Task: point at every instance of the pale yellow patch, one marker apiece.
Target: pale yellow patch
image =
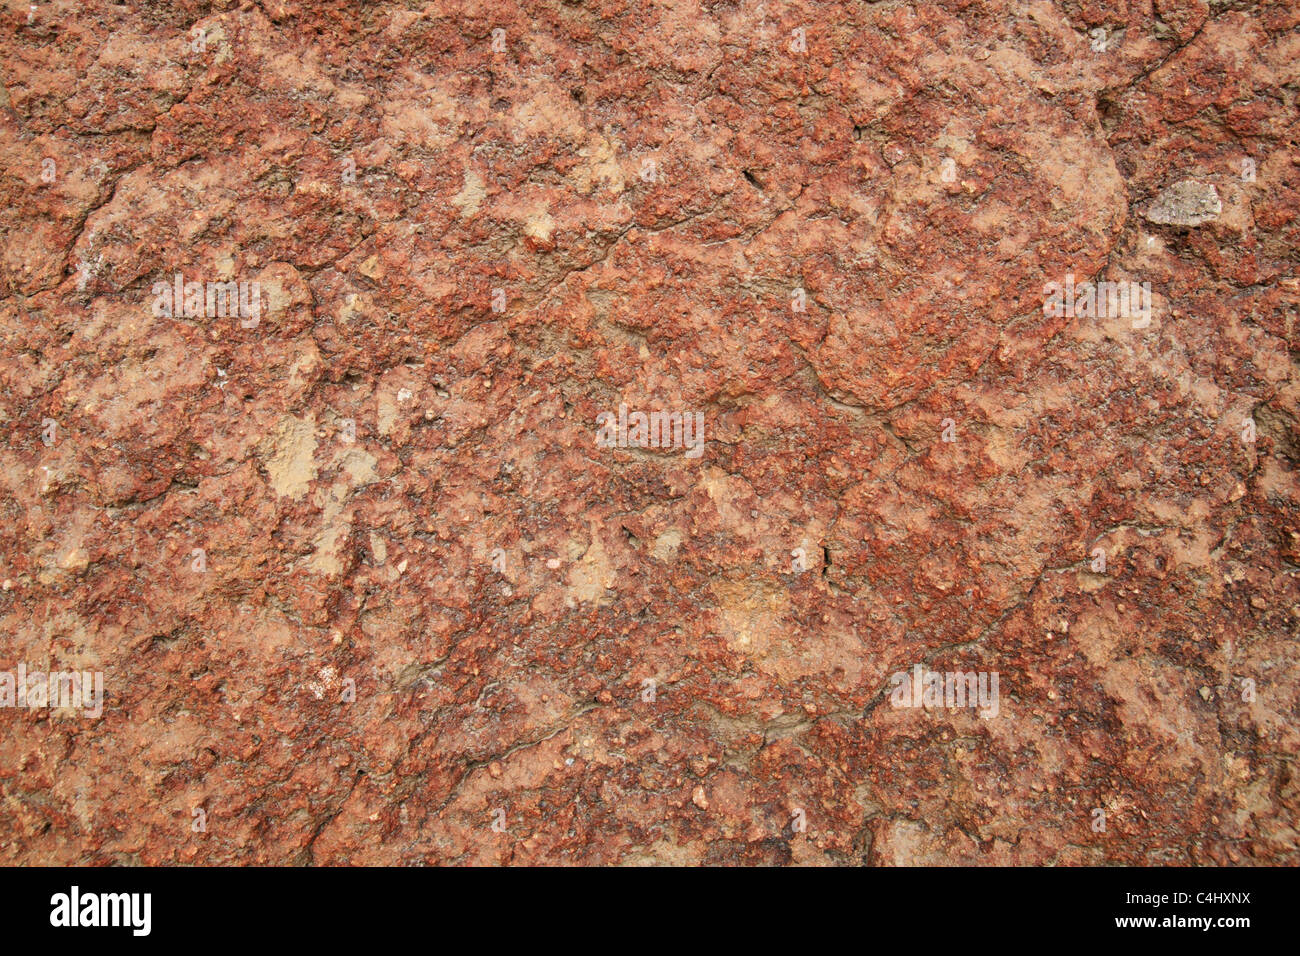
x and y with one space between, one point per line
539 225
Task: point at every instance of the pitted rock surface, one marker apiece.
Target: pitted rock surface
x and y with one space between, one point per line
363 586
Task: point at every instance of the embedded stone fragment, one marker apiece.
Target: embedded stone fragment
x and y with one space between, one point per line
1187 203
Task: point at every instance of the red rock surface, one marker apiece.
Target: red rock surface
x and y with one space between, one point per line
649 185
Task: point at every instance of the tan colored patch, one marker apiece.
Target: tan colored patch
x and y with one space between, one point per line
599 167
386 416
289 456
754 620
357 469
335 528
725 491
378 548
666 545
539 226
752 615
471 194
591 576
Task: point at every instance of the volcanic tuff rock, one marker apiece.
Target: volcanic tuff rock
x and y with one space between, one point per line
362 584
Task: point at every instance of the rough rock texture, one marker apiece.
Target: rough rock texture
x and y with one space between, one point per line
363 586
1188 203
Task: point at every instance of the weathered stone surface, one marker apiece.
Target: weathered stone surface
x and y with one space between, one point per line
363 586
1188 203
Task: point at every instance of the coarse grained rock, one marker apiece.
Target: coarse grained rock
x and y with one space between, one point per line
365 589
1187 203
